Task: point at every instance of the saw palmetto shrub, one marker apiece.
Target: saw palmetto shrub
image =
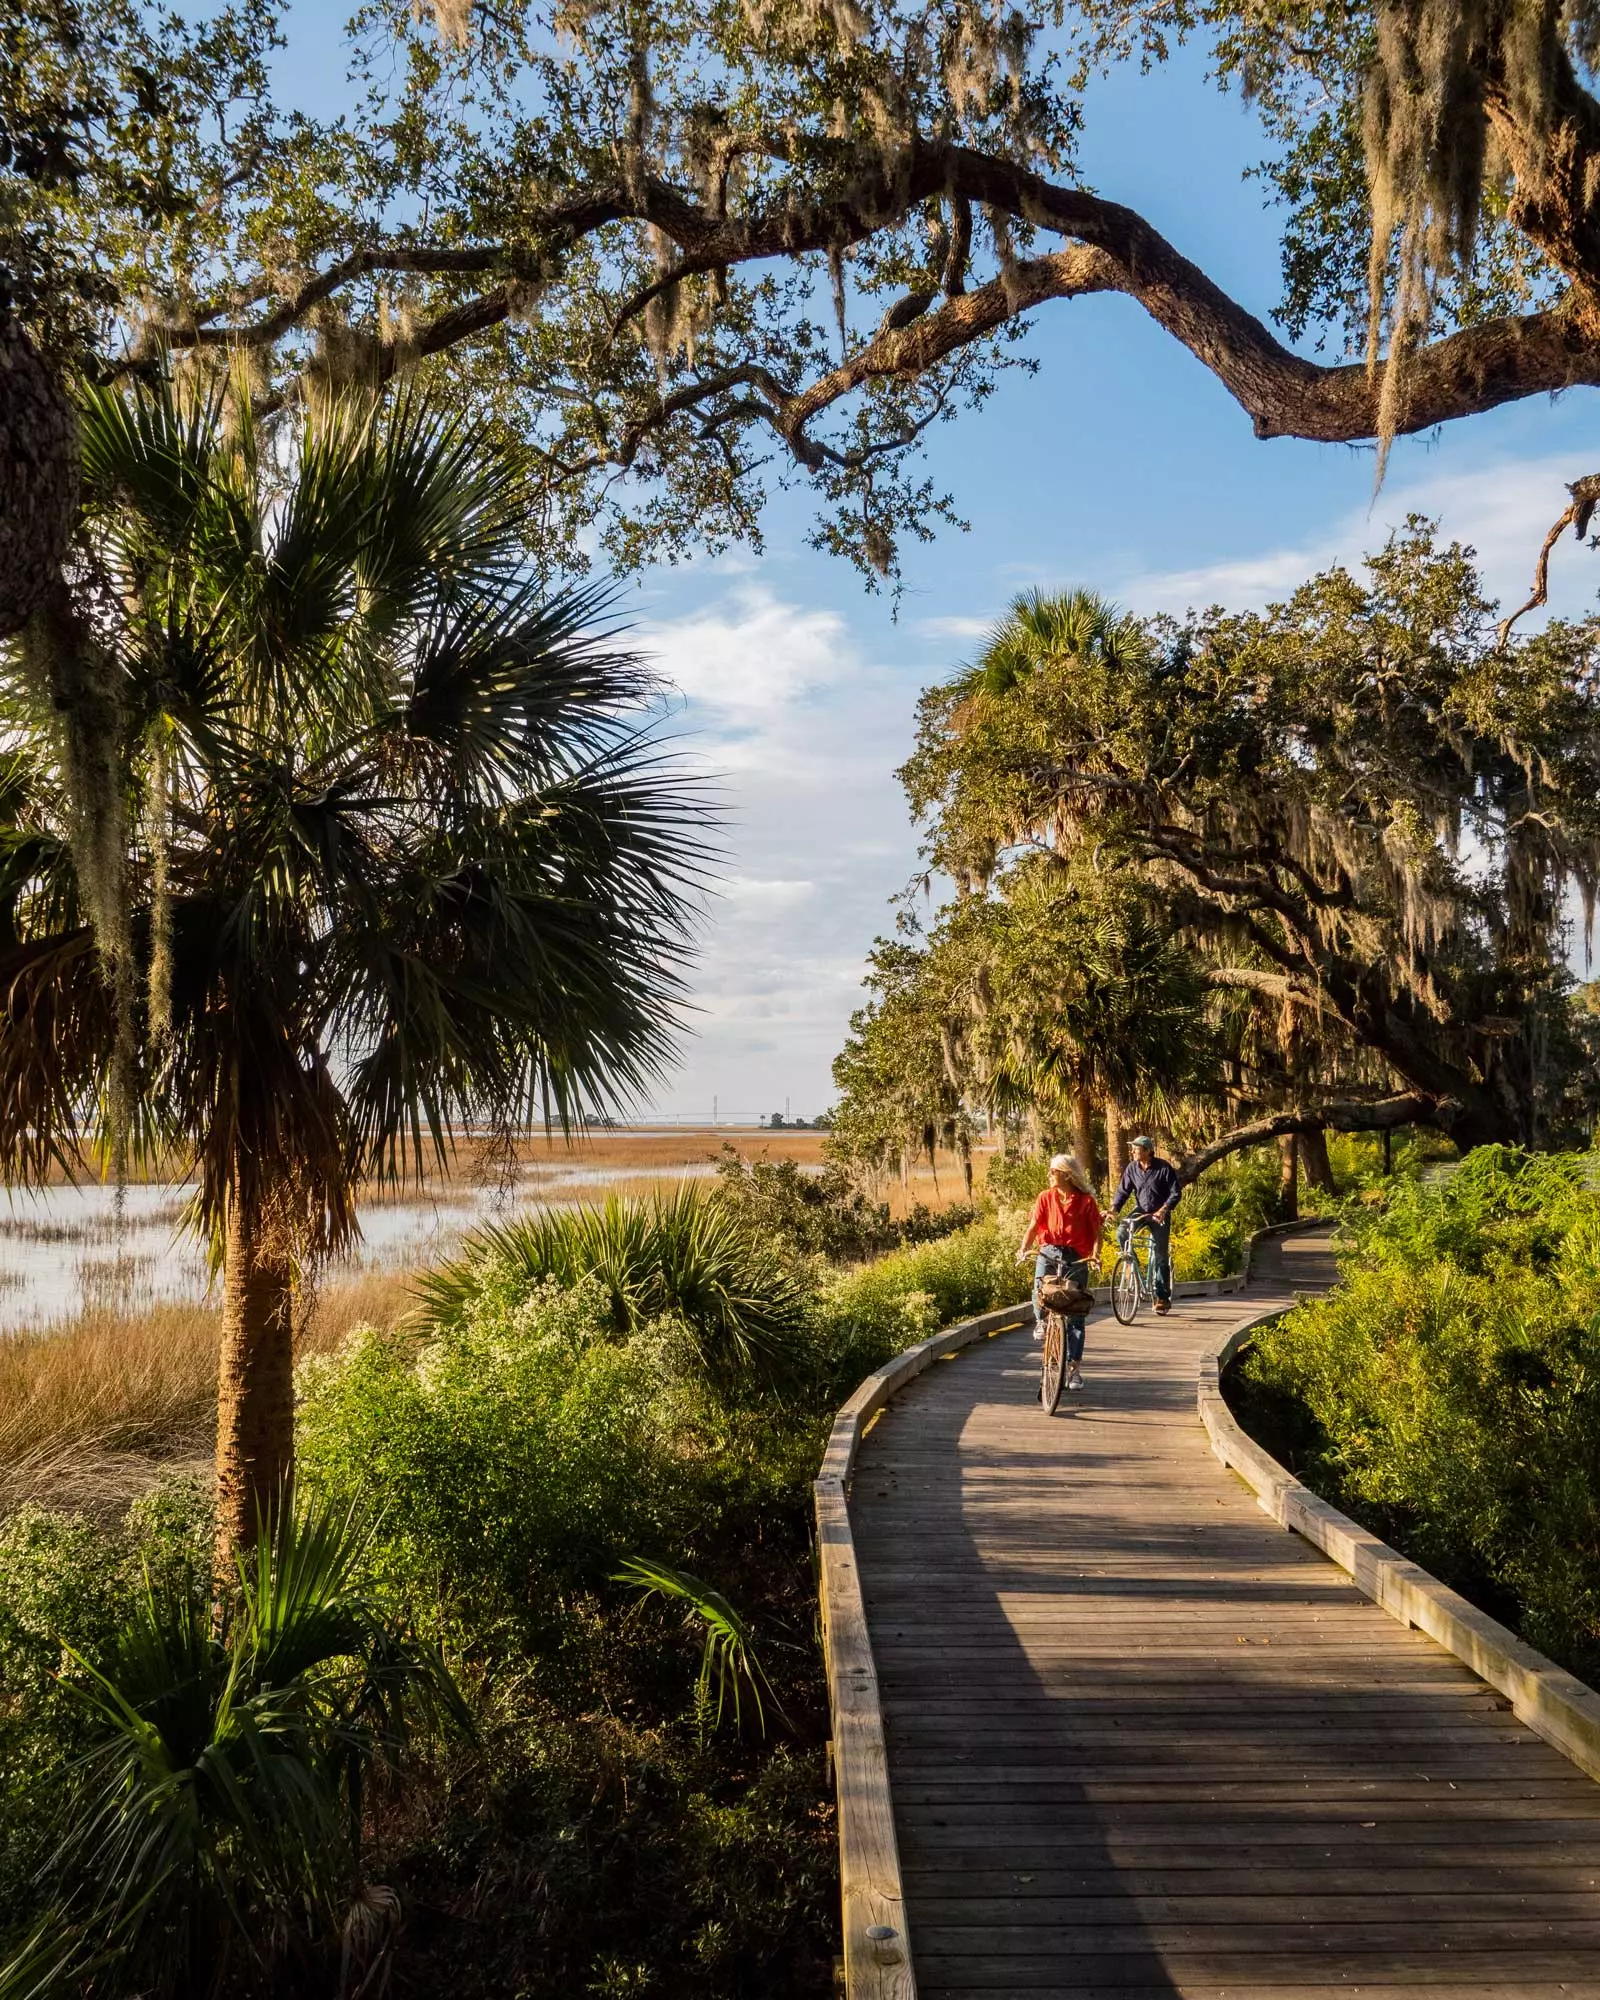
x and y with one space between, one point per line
1448 1392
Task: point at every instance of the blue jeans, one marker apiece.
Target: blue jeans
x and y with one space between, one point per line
1161 1258
1055 1261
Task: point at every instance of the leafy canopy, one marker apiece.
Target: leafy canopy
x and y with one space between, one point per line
689 253
1356 804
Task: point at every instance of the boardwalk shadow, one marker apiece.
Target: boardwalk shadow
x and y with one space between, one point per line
1143 1742
1000 1839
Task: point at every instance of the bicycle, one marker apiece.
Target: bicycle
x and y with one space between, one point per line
1053 1332
1052 1362
1130 1279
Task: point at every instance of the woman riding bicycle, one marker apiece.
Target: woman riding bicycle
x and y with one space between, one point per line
1065 1226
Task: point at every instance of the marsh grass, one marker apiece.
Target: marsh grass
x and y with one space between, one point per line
92 1411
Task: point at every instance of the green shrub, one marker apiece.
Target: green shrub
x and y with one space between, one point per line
686 1254
867 1314
1016 1180
608 1857
70 1583
513 1455
824 1214
1452 1386
1242 1193
210 1828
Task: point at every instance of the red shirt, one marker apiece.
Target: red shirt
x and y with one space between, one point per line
1069 1218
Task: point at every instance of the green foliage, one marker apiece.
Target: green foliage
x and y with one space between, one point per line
824 1214
370 837
885 160
1300 817
870 1313
1035 989
514 1453
69 1583
1242 1193
615 1854
1452 1385
685 1254
728 1664
1016 1180
211 1821
512 1456
899 1098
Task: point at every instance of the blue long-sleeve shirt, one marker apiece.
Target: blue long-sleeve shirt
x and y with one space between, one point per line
1152 1187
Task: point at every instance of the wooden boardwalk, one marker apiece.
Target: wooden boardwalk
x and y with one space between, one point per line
1144 1742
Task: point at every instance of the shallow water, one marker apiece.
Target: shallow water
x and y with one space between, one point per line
66 1250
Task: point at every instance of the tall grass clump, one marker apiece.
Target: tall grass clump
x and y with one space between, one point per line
684 1254
1448 1393
95 1411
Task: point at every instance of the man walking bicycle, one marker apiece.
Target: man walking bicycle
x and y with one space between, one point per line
1152 1185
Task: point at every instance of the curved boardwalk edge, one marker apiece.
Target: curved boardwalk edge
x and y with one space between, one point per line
877 1949
1553 1703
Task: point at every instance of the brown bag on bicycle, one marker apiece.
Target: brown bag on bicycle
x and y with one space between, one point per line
1061 1295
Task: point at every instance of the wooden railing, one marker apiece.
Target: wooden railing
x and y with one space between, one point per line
1552 1702
877 1947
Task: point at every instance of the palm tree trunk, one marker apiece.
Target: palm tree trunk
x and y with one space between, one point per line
1116 1142
255 1388
964 1153
1288 1190
1314 1158
1083 1130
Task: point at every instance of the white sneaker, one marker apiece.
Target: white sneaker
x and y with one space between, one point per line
1075 1380
1038 1334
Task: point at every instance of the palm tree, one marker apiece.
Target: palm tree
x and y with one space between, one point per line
1041 626
381 844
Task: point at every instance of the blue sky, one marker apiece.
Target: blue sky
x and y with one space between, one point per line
1121 465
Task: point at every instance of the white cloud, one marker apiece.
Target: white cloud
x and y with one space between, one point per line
1501 507
963 630
748 657
804 733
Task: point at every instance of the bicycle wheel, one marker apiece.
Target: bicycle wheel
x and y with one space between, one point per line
1125 1288
1052 1363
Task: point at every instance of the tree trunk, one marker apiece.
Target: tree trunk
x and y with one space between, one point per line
1314 1158
1288 1190
1388 1151
964 1154
1378 1115
1116 1142
255 1389
1083 1130
38 477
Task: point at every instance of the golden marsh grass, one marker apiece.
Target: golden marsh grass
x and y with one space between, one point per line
93 1409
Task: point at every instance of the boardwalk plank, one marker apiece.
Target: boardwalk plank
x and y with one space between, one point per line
1143 1742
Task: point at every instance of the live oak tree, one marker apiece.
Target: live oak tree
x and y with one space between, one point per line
1043 1003
387 848
686 250
1358 807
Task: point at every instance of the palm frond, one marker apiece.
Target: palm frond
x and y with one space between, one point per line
219 1802
728 1664
683 1253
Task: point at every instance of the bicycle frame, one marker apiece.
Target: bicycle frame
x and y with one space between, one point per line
1133 1239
